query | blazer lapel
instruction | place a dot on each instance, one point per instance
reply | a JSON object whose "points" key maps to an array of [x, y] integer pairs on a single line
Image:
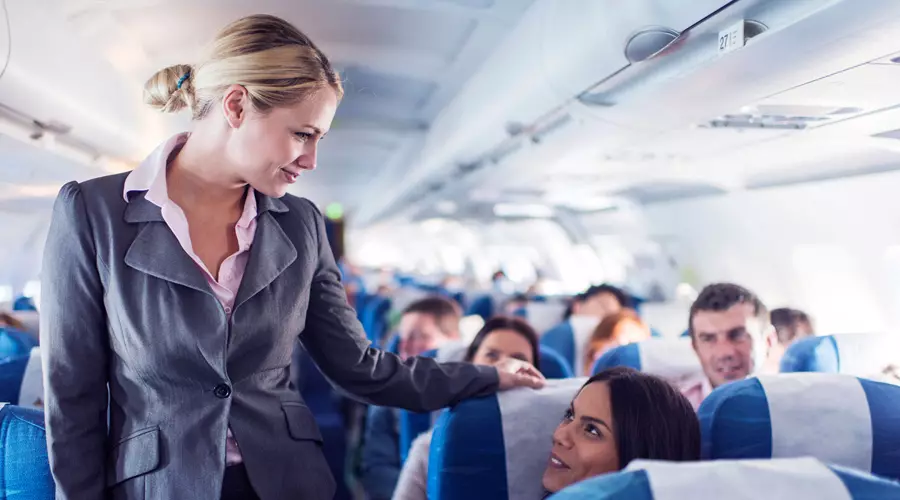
{"points": [[271, 252], [156, 251]]}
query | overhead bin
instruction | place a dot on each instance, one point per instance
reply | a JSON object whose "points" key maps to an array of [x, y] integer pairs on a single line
{"points": [[558, 50], [644, 101]]}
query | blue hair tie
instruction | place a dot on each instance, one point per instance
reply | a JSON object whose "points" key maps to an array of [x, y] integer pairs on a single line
{"points": [[183, 79]]}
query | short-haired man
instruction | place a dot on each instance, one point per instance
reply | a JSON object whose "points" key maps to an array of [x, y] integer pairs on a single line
{"points": [[731, 334]]}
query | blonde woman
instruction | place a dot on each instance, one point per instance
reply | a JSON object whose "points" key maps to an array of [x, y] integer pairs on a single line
{"points": [[182, 286]]}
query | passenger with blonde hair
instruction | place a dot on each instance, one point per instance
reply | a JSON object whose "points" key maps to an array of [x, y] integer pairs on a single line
{"points": [[176, 293]]}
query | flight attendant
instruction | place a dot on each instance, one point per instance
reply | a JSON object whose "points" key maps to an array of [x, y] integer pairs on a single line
{"points": [[176, 292]]}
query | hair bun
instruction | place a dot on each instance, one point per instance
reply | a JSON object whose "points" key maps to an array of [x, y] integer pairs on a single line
{"points": [[162, 92]]}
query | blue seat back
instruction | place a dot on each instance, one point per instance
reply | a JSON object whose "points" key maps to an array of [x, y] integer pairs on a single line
{"points": [[782, 479], [24, 304], [859, 354], [14, 343], [561, 338], [24, 463], [12, 370], [497, 447], [672, 359], [412, 423], [839, 419], [553, 365], [481, 306], [375, 317]]}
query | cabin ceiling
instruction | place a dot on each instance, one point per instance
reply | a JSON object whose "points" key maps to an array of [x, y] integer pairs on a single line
{"points": [[83, 63], [419, 73]]}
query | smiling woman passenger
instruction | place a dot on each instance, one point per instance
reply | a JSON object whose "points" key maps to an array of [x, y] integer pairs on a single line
{"points": [[618, 416]]}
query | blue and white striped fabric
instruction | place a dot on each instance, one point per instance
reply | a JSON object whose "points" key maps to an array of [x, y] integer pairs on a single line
{"points": [[412, 424], [24, 465], [497, 447], [859, 354], [780, 479], [839, 419], [570, 338], [672, 359]]}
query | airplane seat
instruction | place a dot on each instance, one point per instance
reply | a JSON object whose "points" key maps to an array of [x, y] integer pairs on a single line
{"points": [[561, 338], [497, 446], [375, 317], [21, 381], [553, 365], [25, 466], [24, 304], [654, 333], [570, 338], [781, 479], [839, 419], [14, 343], [671, 359], [392, 345], [12, 370], [685, 334], [544, 314], [521, 313], [481, 306], [412, 423], [323, 401], [859, 354]]}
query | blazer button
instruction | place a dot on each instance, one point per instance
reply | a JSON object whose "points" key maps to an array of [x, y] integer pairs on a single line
{"points": [[222, 391]]}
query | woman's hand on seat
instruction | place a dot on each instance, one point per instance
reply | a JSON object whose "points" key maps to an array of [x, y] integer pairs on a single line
{"points": [[517, 373]]}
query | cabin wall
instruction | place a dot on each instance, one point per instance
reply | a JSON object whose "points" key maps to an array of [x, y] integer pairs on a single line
{"points": [[831, 248]]}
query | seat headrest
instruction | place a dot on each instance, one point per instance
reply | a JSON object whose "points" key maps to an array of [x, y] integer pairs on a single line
{"points": [[411, 423], [544, 315], [782, 479], [23, 438], [859, 354], [839, 419], [497, 446], [553, 365], [669, 358]]}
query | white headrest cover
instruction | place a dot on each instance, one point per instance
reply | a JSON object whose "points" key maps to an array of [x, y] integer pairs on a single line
{"points": [[780, 479], [672, 358], [529, 419]]}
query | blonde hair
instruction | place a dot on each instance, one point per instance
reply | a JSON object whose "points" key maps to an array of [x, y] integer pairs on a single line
{"points": [[275, 62]]}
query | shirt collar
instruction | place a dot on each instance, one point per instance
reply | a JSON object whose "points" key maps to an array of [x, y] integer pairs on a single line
{"points": [[150, 176]]}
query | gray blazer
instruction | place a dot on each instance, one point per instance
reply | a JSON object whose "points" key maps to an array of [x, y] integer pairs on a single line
{"points": [[124, 307]]}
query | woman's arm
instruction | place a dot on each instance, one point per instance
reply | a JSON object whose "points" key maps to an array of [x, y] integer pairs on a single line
{"points": [[336, 341], [413, 482], [74, 350]]}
